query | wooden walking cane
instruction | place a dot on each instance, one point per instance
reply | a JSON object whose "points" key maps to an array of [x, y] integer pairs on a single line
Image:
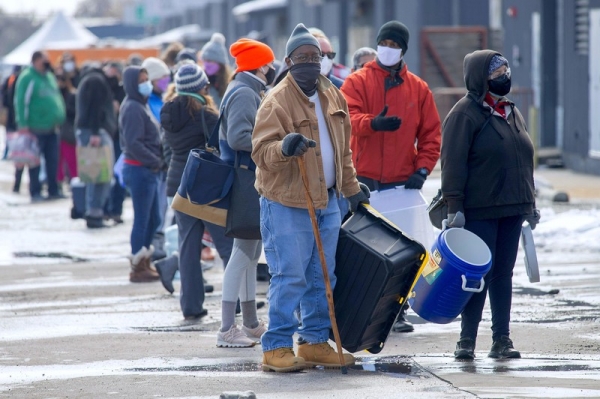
{"points": [[328, 292]]}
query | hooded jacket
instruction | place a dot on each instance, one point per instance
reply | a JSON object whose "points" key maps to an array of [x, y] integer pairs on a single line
{"points": [[391, 156], [140, 138], [487, 161], [183, 132]]}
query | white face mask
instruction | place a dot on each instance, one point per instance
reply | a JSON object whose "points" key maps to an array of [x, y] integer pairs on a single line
{"points": [[389, 56], [69, 66], [326, 65]]}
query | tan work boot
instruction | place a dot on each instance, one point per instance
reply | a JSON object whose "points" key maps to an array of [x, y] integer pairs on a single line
{"points": [[323, 355], [140, 268], [282, 360], [148, 260]]}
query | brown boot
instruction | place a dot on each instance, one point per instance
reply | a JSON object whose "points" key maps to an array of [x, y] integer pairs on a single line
{"points": [[148, 261], [323, 355], [282, 360], [140, 268]]}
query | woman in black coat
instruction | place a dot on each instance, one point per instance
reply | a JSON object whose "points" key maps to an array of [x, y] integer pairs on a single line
{"points": [[487, 180], [188, 120]]}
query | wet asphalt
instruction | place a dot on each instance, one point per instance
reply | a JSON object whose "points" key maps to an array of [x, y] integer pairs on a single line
{"points": [[71, 325]]}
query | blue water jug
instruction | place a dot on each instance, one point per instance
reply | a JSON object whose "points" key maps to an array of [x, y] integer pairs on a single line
{"points": [[458, 262]]}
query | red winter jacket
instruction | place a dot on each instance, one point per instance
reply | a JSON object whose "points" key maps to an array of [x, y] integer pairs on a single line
{"points": [[395, 155]]}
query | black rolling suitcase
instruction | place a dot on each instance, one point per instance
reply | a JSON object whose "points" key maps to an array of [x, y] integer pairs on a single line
{"points": [[376, 268]]}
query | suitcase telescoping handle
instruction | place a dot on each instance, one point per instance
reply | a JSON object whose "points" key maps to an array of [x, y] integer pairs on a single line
{"points": [[328, 291]]}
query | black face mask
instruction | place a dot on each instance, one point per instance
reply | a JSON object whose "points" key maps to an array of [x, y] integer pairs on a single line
{"points": [[113, 82], [270, 76], [306, 76], [47, 66], [500, 86]]}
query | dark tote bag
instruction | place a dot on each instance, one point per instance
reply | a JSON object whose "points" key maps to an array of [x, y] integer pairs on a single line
{"points": [[438, 210], [243, 216]]}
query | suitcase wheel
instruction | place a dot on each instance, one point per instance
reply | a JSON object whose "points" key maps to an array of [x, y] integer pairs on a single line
{"points": [[376, 349]]}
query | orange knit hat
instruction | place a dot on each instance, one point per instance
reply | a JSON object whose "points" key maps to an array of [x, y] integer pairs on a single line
{"points": [[250, 54]]}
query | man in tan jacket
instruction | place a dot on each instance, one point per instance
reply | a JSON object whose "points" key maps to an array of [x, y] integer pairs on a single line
{"points": [[304, 110]]}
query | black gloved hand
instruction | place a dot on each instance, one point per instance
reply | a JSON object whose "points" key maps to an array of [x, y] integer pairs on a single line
{"points": [[416, 180], [533, 219], [387, 123], [362, 197], [295, 145]]}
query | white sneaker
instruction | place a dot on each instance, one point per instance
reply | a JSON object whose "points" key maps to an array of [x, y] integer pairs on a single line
{"points": [[234, 338], [255, 333]]}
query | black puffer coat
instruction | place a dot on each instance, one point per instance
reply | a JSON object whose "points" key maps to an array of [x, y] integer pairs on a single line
{"points": [[183, 132]]}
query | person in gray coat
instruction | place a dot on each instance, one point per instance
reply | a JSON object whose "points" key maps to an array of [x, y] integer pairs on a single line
{"points": [[140, 142], [254, 72]]}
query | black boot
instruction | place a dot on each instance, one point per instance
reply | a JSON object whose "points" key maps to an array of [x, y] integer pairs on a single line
{"points": [[159, 244], [465, 349], [262, 272], [208, 288], [503, 348], [166, 268], [401, 324], [94, 222], [18, 176]]}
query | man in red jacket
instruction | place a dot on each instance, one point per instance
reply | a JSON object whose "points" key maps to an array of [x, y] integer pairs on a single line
{"points": [[396, 131]]}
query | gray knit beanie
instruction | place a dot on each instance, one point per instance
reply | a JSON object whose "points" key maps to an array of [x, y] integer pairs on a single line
{"points": [[300, 36], [190, 78], [496, 62], [186, 54], [215, 49]]}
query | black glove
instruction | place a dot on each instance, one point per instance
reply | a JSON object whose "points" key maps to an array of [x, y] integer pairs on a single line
{"points": [[295, 145], [362, 197], [388, 123], [533, 219], [416, 180]]}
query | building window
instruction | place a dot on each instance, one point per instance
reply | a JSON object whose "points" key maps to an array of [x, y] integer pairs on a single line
{"points": [[582, 27]]}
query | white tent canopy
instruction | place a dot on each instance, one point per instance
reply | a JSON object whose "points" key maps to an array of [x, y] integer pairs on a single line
{"points": [[59, 32], [174, 35]]}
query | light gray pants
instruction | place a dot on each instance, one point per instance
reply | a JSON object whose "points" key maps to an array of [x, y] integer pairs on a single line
{"points": [[95, 194], [240, 275]]}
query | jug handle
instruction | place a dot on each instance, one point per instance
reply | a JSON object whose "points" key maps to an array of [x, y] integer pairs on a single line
{"points": [[467, 289]]}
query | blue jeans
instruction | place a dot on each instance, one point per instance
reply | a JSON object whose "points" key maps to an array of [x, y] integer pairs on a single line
{"points": [[96, 195], [48, 143], [163, 204], [116, 197], [295, 267], [502, 237], [143, 186]]}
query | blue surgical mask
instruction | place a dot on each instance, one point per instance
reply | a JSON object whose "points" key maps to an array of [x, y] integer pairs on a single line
{"points": [[145, 89]]}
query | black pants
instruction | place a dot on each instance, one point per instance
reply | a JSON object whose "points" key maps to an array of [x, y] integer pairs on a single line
{"points": [[48, 143], [502, 237]]}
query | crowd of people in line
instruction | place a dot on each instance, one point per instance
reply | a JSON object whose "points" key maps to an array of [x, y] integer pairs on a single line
{"points": [[370, 127]]}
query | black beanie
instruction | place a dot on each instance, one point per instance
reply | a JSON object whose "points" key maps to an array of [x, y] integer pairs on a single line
{"points": [[396, 31]]}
